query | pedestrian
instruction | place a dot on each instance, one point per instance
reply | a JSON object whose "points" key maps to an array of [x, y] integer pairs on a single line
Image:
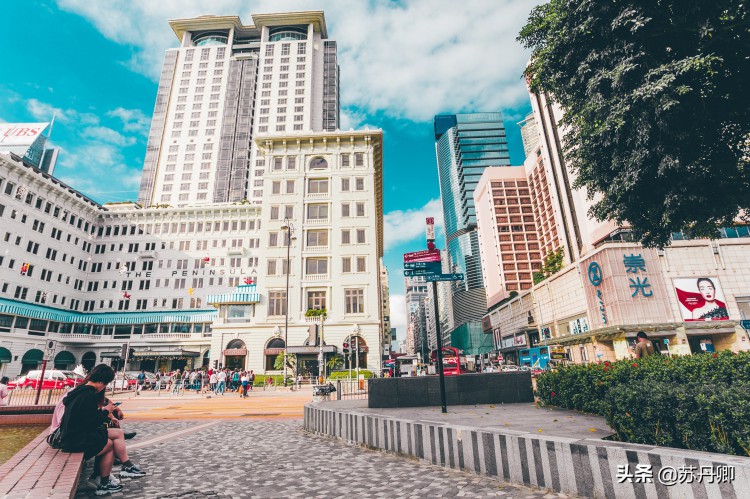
{"points": [[176, 380], [221, 382], [244, 380], [269, 381], [644, 347], [213, 380], [4, 392], [251, 379], [140, 381], [159, 376], [235, 380]]}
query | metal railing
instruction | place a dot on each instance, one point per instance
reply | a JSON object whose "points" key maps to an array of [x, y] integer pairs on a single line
{"points": [[28, 396], [348, 389]]}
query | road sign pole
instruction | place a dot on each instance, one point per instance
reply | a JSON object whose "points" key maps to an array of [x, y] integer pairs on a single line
{"points": [[41, 381], [439, 339]]}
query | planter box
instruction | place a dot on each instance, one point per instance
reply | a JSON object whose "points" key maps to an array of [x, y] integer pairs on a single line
{"points": [[465, 389]]}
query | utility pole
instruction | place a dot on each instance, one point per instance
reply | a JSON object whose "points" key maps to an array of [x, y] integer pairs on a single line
{"points": [[439, 341]]}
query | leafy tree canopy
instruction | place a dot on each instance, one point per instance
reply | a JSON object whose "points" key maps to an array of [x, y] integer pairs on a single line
{"points": [[656, 100]]}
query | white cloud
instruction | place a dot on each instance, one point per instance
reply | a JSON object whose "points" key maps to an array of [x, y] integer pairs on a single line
{"points": [[403, 226], [398, 315], [104, 134], [43, 111], [133, 120], [410, 59]]}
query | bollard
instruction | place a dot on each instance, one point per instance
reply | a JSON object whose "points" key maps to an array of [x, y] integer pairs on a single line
{"points": [[338, 390]]}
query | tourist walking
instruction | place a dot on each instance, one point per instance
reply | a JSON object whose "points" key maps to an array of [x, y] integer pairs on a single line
{"points": [[176, 382], [221, 383], [644, 347], [213, 380], [251, 379], [140, 381], [235, 380], [244, 381]]}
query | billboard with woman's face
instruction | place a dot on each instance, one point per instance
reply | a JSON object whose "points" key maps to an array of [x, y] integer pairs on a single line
{"points": [[701, 299]]}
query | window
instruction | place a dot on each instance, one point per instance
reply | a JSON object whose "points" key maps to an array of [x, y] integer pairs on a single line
{"points": [[271, 270], [345, 209], [360, 209], [345, 184], [316, 266], [318, 164], [273, 239], [278, 163], [317, 212], [317, 186], [345, 158], [274, 212], [359, 159], [290, 186], [291, 163], [354, 301], [360, 236], [276, 303], [345, 236], [289, 211], [360, 184], [316, 300], [317, 238], [276, 187], [346, 264], [361, 264]]}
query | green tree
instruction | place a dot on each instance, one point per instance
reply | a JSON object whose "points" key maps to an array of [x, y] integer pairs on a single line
{"points": [[291, 361], [553, 263], [656, 100]]}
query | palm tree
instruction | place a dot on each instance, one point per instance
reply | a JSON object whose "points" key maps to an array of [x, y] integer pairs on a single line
{"points": [[291, 361], [335, 361]]}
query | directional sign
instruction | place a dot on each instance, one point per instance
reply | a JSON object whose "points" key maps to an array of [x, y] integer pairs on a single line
{"points": [[421, 272], [435, 267], [422, 256], [444, 277], [745, 325]]}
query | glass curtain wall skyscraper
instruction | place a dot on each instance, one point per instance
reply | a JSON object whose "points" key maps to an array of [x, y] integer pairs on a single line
{"points": [[465, 145]]}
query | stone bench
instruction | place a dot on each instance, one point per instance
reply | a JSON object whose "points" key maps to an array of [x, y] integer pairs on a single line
{"points": [[38, 471]]}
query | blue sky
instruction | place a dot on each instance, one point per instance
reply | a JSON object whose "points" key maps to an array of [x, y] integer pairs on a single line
{"points": [[95, 65]]}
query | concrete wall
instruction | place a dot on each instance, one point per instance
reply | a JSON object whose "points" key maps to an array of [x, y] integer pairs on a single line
{"points": [[587, 468]]}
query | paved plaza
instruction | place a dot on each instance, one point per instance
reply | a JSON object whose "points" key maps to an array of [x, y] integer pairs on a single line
{"points": [[265, 458]]}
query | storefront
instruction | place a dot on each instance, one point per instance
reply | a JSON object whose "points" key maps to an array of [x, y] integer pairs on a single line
{"points": [[235, 355], [164, 359]]}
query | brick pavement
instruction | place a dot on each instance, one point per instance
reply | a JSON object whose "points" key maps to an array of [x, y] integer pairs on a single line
{"points": [[257, 458]]}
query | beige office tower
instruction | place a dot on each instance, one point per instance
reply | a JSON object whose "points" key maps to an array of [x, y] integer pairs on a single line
{"points": [[225, 85]]}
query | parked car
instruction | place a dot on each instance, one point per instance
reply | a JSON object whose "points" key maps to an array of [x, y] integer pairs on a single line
{"points": [[150, 381], [524, 368], [53, 379], [120, 383], [510, 368]]}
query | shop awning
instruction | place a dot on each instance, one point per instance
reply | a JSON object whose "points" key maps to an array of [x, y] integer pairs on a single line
{"points": [[704, 332], [110, 355], [161, 352], [65, 357], [312, 350], [5, 355], [33, 356]]}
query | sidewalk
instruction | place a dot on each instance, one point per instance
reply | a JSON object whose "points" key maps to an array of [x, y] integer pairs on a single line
{"points": [[550, 448]]}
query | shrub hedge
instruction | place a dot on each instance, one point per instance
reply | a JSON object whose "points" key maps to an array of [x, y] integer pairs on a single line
{"points": [[345, 374], [699, 402]]}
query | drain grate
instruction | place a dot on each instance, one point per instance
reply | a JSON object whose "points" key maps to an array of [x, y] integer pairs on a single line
{"points": [[260, 414]]}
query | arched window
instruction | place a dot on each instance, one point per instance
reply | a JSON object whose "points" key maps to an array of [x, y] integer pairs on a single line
{"points": [[318, 163], [235, 344], [65, 361], [274, 348], [276, 343]]}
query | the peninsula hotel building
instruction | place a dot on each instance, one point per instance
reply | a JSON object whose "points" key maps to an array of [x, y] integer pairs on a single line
{"points": [[245, 165]]}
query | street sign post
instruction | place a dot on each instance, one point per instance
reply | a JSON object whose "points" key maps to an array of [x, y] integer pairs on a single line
{"points": [[420, 272], [444, 277], [422, 256], [434, 267]]}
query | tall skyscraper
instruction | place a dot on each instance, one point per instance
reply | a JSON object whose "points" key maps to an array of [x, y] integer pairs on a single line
{"points": [[466, 144], [226, 84]]}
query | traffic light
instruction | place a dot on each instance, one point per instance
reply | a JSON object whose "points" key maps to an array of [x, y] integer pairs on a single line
{"points": [[346, 347]]}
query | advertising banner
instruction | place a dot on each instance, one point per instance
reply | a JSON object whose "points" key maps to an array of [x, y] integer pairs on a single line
{"points": [[422, 256], [701, 299]]}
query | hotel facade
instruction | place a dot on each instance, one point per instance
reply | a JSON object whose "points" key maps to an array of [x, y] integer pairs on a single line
{"points": [[245, 166]]}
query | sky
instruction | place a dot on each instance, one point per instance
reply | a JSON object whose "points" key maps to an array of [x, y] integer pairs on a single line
{"points": [[94, 65]]}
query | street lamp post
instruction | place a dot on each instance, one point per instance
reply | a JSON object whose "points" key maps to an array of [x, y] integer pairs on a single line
{"points": [[289, 229]]}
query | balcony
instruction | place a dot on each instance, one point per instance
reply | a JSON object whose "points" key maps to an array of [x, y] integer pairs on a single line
{"points": [[317, 249], [317, 221], [318, 195], [148, 255], [316, 277], [237, 251]]}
